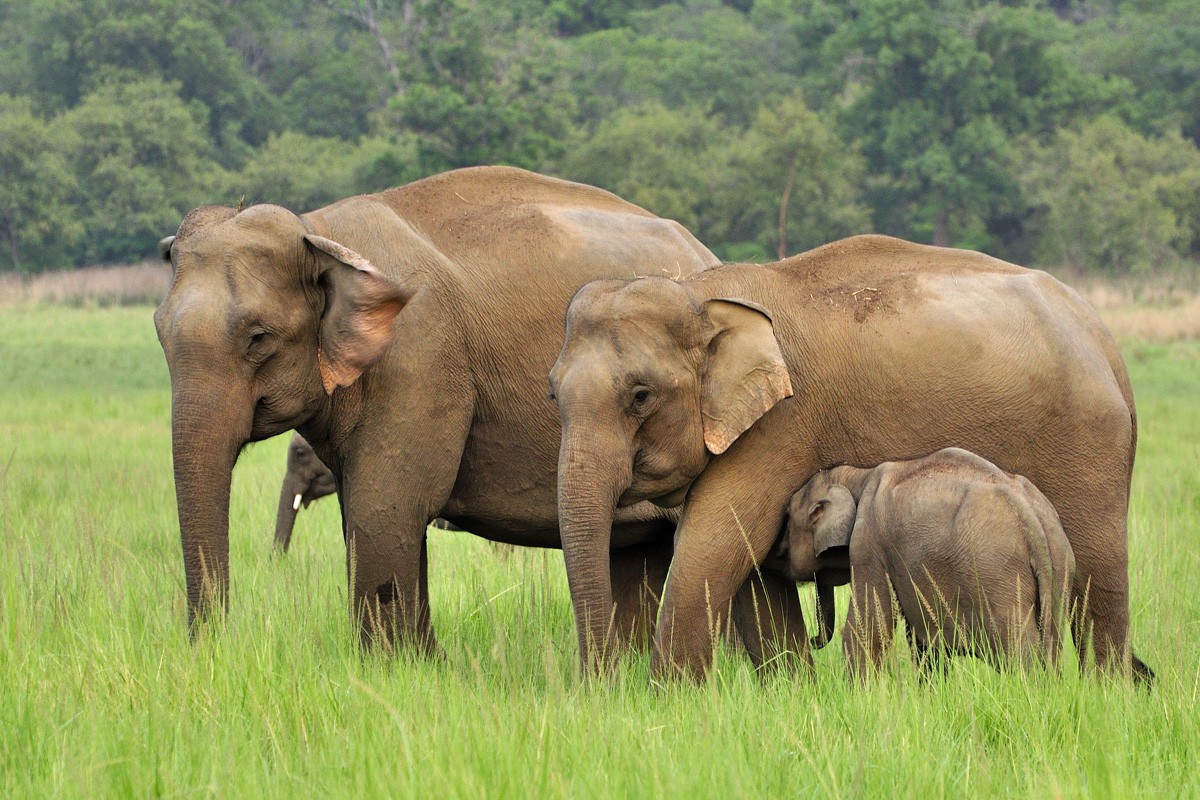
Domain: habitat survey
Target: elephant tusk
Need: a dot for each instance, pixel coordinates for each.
(296, 503)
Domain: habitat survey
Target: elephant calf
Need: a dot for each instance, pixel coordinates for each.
(308, 479)
(975, 558)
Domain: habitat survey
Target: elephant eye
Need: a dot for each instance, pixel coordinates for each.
(257, 336)
(641, 395)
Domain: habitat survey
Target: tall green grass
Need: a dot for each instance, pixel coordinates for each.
(102, 694)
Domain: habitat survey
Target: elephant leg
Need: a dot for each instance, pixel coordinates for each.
(638, 574)
(389, 579)
(767, 614)
(871, 622)
(733, 516)
(1090, 491)
(389, 496)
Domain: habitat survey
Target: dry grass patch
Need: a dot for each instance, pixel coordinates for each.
(1160, 309)
(126, 285)
(1155, 309)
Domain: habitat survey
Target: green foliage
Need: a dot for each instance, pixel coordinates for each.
(1113, 199)
(922, 109)
(1153, 46)
(143, 160)
(478, 86)
(105, 696)
(937, 91)
(306, 172)
(37, 226)
(792, 184)
(704, 54)
(668, 161)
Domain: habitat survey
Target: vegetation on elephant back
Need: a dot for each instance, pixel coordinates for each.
(105, 696)
(1046, 132)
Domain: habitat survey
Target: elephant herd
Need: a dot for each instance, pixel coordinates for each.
(544, 364)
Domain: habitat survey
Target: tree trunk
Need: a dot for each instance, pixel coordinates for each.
(941, 229)
(781, 249)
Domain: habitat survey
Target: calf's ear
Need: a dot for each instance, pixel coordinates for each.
(745, 375)
(360, 306)
(832, 520)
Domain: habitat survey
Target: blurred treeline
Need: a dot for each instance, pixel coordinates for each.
(1054, 133)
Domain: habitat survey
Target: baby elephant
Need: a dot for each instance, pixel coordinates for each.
(308, 479)
(975, 558)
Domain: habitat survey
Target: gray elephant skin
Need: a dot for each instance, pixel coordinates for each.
(305, 480)
(731, 388)
(975, 559)
(407, 336)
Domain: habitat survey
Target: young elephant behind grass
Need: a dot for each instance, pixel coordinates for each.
(975, 558)
(308, 479)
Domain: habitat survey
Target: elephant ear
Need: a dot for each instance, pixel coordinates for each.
(745, 375)
(360, 305)
(832, 518)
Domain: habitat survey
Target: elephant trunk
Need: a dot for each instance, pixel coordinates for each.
(824, 615)
(290, 496)
(204, 453)
(590, 480)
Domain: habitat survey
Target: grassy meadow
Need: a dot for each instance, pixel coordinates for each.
(102, 694)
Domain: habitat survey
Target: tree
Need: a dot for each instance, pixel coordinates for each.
(792, 184)
(37, 226)
(306, 172)
(481, 88)
(1113, 199)
(703, 54)
(142, 160)
(667, 161)
(937, 91)
(1153, 46)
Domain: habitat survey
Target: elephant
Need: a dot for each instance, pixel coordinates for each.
(406, 335)
(725, 391)
(308, 479)
(975, 559)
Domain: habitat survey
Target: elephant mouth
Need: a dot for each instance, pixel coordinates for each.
(668, 496)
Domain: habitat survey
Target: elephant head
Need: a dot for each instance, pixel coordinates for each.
(263, 320)
(650, 383)
(307, 479)
(815, 546)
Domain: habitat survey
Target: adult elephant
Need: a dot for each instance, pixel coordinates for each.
(893, 350)
(407, 336)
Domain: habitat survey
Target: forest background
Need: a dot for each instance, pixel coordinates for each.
(1059, 134)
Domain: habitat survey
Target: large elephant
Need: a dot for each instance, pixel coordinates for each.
(892, 350)
(407, 336)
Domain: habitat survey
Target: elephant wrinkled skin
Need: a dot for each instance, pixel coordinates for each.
(308, 479)
(975, 558)
(736, 385)
(406, 335)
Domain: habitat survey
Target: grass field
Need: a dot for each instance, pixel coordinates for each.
(102, 694)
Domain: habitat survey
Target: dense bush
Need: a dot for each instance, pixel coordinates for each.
(1051, 132)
